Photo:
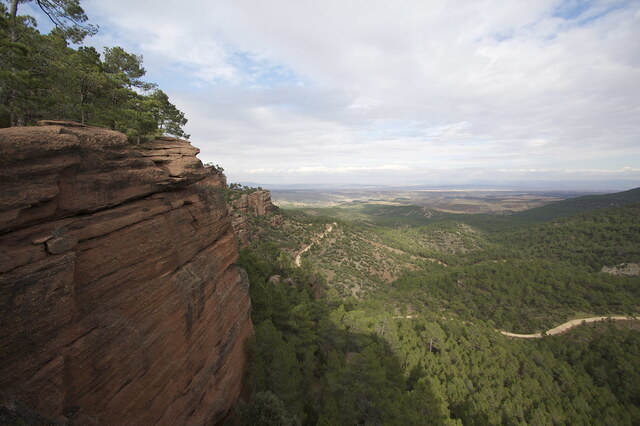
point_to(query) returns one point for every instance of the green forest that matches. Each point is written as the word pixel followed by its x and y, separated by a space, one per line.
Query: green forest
pixel 52 76
pixel 422 347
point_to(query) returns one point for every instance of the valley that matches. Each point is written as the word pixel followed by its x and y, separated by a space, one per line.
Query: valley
pixel 465 200
pixel 411 302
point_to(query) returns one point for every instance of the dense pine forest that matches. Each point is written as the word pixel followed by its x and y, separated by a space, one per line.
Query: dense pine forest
pixel 51 76
pixel 418 344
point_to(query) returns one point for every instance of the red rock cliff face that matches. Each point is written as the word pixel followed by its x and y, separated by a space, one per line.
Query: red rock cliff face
pixel 257 203
pixel 121 301
pixel 244 207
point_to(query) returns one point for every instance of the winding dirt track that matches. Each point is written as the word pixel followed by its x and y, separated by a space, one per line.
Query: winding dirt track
pixel 563 328
pixel 321 236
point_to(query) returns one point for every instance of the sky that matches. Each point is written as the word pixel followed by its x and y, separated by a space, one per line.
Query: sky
pixel 538 92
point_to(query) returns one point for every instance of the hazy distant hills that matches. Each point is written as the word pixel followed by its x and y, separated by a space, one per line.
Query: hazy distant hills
pixel 581 204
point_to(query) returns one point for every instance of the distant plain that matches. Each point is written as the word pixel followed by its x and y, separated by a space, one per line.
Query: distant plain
pixel 493 201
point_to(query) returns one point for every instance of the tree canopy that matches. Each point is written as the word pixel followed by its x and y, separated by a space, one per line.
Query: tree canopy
pixel 42 76
pixel 67 15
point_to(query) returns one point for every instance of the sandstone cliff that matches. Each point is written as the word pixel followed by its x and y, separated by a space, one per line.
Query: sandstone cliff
pixel 257 203
pixel 248 206
pixel 121 301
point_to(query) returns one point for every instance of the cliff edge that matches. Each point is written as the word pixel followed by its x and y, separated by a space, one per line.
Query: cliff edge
pixel 121 301
pixel 245 208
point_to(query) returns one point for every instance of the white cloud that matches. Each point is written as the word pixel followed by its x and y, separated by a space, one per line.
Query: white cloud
pixel 345 87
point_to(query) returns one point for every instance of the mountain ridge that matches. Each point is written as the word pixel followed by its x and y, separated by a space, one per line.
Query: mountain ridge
pixel 581 204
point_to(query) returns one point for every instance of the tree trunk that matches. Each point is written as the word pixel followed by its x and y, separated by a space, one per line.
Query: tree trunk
pixel 13 33
pixel 13 13
pixel 82 99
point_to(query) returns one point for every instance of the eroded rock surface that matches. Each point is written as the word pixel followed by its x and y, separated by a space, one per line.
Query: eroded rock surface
pixel 121 301
pixel 257 203
pixel 248 206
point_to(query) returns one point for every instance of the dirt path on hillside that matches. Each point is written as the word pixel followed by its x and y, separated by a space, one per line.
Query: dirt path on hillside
pixel 298 260
pixel 320 237
pixel 563 328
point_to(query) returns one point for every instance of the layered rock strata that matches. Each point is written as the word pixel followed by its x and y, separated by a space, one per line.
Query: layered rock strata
pixel 248 206
pixel 121 301
pixel 257 203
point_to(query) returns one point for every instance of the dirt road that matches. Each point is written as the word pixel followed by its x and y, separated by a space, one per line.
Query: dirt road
pixel 563 328
pixel 321 236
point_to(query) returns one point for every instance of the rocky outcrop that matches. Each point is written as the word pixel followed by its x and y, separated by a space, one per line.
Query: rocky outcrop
pixel 215 179
pixel 257 203
pixel 248 206
pixel 624 269
pixel 121 301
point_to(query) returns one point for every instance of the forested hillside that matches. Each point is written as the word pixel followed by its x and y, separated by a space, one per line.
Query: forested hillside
pixel 405 330
pixel 581 205
pixel 590 240
pixel 50 76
